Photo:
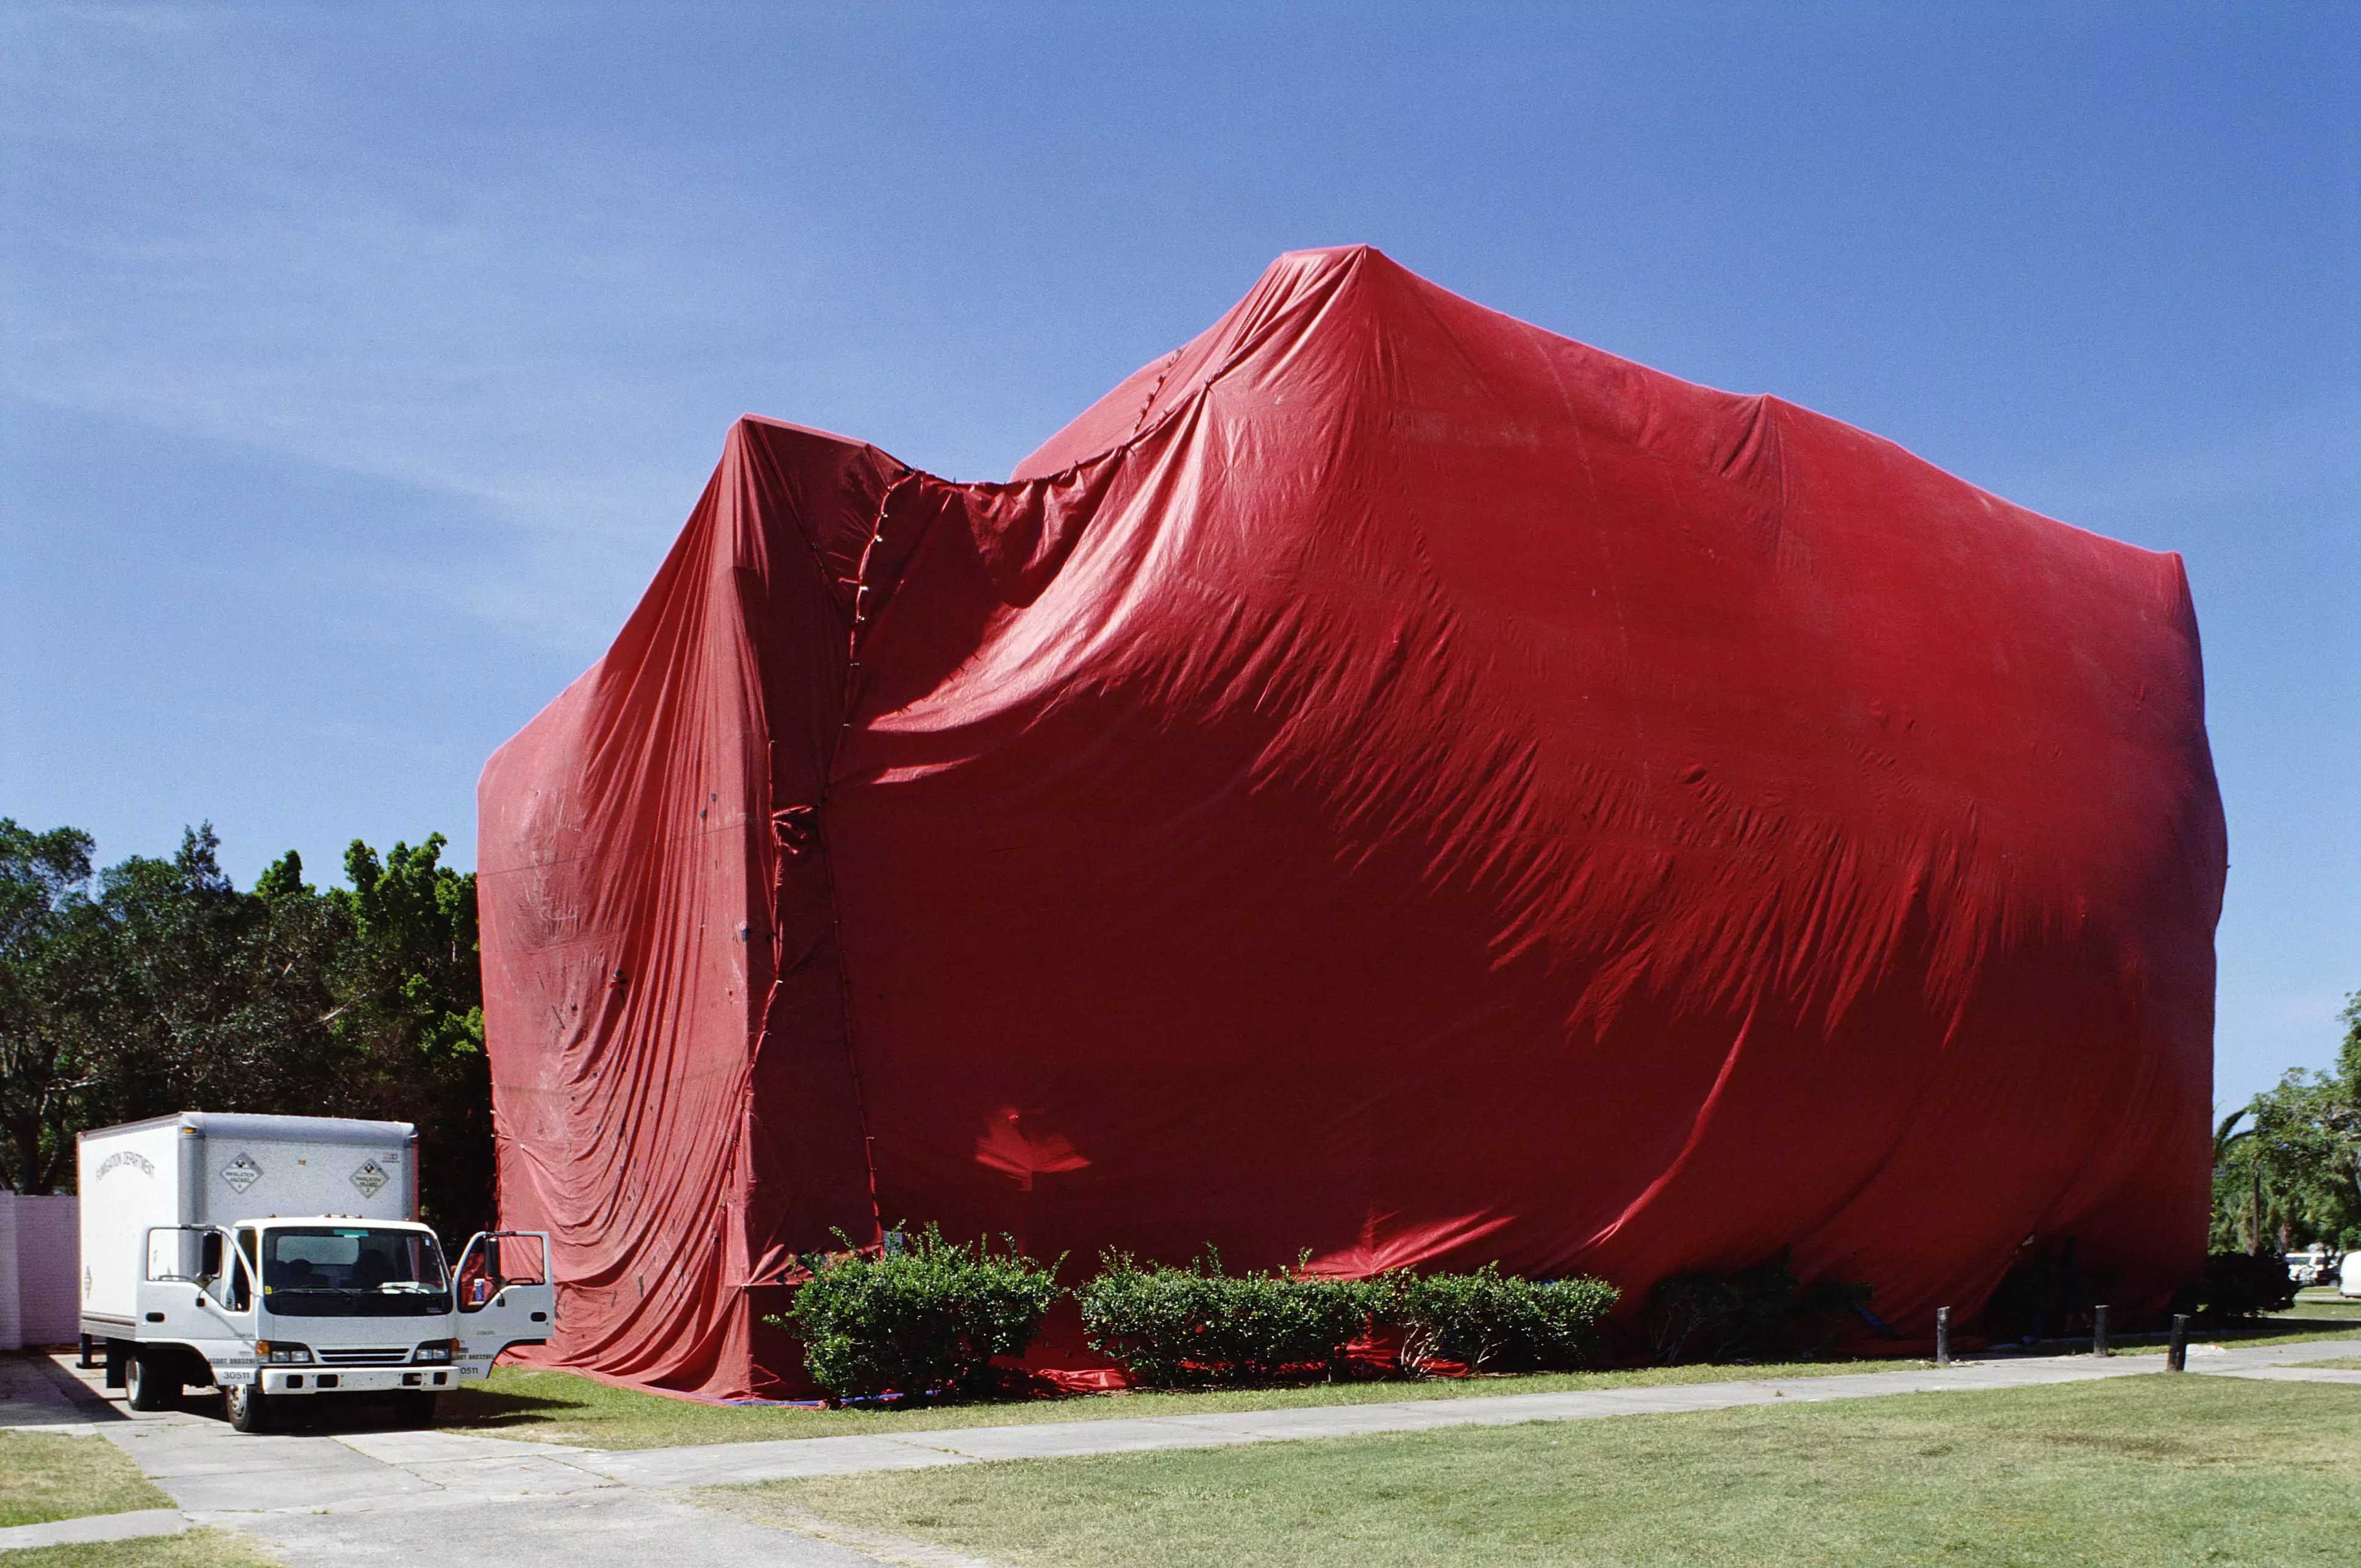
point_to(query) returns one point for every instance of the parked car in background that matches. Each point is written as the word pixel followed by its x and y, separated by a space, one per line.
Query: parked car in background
pixel 2315 1267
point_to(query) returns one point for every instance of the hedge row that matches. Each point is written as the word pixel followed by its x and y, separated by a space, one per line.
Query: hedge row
pixel 924 1317
pixel 1169 1327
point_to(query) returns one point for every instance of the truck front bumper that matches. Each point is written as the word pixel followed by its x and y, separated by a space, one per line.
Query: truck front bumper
pixel 355 1380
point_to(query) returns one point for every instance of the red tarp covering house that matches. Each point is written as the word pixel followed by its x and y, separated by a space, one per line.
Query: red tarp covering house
pixel 1386 779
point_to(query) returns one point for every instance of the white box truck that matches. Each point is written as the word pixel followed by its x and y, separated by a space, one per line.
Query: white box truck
pixel 280 1257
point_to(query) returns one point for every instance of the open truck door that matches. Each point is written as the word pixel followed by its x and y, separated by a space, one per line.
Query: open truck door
pixel 504 1296
pixel 196 1302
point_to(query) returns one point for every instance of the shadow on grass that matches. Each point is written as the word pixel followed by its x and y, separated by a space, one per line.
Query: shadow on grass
pixel 2292 1323
pixel 2235 1330
pixel 490 1408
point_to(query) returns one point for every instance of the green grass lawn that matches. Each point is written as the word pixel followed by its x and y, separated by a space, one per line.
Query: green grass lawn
pixel 2316 1315
pixel 193 1548
pixel 2288 1330
pixel 2316 1303
pixel 2135 1472
pixel 44 1477
pixel 558 1406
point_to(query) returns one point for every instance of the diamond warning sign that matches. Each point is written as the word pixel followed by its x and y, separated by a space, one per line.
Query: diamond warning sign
pixel 241 1173
pixel 371 1176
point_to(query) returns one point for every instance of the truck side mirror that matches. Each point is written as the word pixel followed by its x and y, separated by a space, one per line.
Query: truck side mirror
pixel 212 1266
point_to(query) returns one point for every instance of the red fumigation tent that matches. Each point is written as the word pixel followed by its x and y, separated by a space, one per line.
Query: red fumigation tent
pixel 1385 781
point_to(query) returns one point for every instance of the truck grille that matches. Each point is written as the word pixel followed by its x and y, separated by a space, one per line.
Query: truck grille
pixel 353 1357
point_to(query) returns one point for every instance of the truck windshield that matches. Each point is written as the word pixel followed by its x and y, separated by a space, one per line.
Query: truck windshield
pixel 353 1271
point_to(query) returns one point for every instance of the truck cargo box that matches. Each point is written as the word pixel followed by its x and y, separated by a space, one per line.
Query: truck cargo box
pixel 201 1168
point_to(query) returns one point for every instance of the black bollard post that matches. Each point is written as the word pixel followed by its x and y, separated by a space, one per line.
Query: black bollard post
pixel 1942 1336
pixel 2176 1355
pixel 2099 1331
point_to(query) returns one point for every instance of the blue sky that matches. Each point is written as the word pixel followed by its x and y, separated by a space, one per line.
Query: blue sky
pixel 361 361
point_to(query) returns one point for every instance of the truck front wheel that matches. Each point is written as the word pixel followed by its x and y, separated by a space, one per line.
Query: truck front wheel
pixel 248 1407
pixel 151 1387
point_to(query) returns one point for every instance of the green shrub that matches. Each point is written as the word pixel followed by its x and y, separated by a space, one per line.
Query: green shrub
pixel 1172 1327
pixel 1756 1314
pixel 923 1320
pixel 2239 1285
pixel 1491 1323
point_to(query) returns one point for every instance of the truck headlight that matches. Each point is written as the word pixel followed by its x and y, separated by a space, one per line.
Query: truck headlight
pixel 435 1350
pixel 282 1352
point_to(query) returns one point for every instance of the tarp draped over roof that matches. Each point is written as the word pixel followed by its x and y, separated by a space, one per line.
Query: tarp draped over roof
pixel 1387 780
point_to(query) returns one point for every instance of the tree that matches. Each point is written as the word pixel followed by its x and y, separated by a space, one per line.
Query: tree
pixel 45 998
pixel 159 987
pixel 212 998
pixel 2294 1177
pixel 412 1006
pixel 2237 1187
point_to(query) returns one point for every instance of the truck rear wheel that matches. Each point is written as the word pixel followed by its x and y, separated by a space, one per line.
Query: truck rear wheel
pixel 149 1386
pixel 414 1409
pixel 248 1407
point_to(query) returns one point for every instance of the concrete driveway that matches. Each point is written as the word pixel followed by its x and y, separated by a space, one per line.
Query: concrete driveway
pixel 352 1490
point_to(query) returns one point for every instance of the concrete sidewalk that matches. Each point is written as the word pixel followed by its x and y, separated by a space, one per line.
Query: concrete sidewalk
pixel 730 1463
pixel 93 1528
pixel 459 1500
pixel 34 1396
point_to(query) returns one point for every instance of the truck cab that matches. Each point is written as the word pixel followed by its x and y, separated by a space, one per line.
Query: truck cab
pixel 281 1309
